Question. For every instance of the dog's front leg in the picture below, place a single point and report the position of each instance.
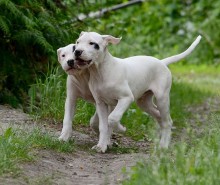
(117, 127)
(70, 105)
(116, 115)
(104, 139)
(68, 117)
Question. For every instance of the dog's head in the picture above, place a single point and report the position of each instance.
(66, 58)
(91, 48)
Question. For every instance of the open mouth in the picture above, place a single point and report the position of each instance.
(81, 62)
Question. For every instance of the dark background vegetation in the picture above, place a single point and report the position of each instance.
(31, 32)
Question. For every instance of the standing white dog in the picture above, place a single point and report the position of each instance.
(119, 82)
(77, 87)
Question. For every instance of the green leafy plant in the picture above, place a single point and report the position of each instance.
(31, 32)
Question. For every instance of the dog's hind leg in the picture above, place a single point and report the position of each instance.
(146, 104)
(94, 122)
(163, 105)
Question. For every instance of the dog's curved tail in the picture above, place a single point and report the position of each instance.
(182, 55)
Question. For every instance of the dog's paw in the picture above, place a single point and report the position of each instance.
(99, 148)
(119, 128)
(65, 136)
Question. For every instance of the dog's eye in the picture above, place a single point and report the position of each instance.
(96, 46)
(63, 55)
(77, 42)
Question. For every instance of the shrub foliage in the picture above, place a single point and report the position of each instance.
(30, 34)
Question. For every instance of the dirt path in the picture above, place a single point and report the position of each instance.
(81, 167)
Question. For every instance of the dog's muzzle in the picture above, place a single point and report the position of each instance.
(78, 53)
(70, 63)
(79, 61)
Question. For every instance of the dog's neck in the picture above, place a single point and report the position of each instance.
(99, 68)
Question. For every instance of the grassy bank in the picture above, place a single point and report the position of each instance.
(18, 145)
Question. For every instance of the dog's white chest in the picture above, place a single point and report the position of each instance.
(105, 93)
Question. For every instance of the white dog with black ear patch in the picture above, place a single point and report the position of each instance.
(77, 87)
(119, 82)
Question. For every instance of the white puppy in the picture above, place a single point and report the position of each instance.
(119, 82)
(77, 87)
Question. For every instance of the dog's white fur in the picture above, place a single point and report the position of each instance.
(77, 87)
(119, 82)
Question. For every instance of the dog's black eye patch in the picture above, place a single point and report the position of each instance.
(74, 47)
(96, 46)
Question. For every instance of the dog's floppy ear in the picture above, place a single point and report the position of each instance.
(111, 39)
(58, 54)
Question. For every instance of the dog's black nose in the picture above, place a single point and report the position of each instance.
(78, 53)
(70, 63)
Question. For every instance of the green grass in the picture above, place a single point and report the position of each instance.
(14, 149)
(185, 163)
(47, 99)
(18, 145)
(203, 77)
(47, 140)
